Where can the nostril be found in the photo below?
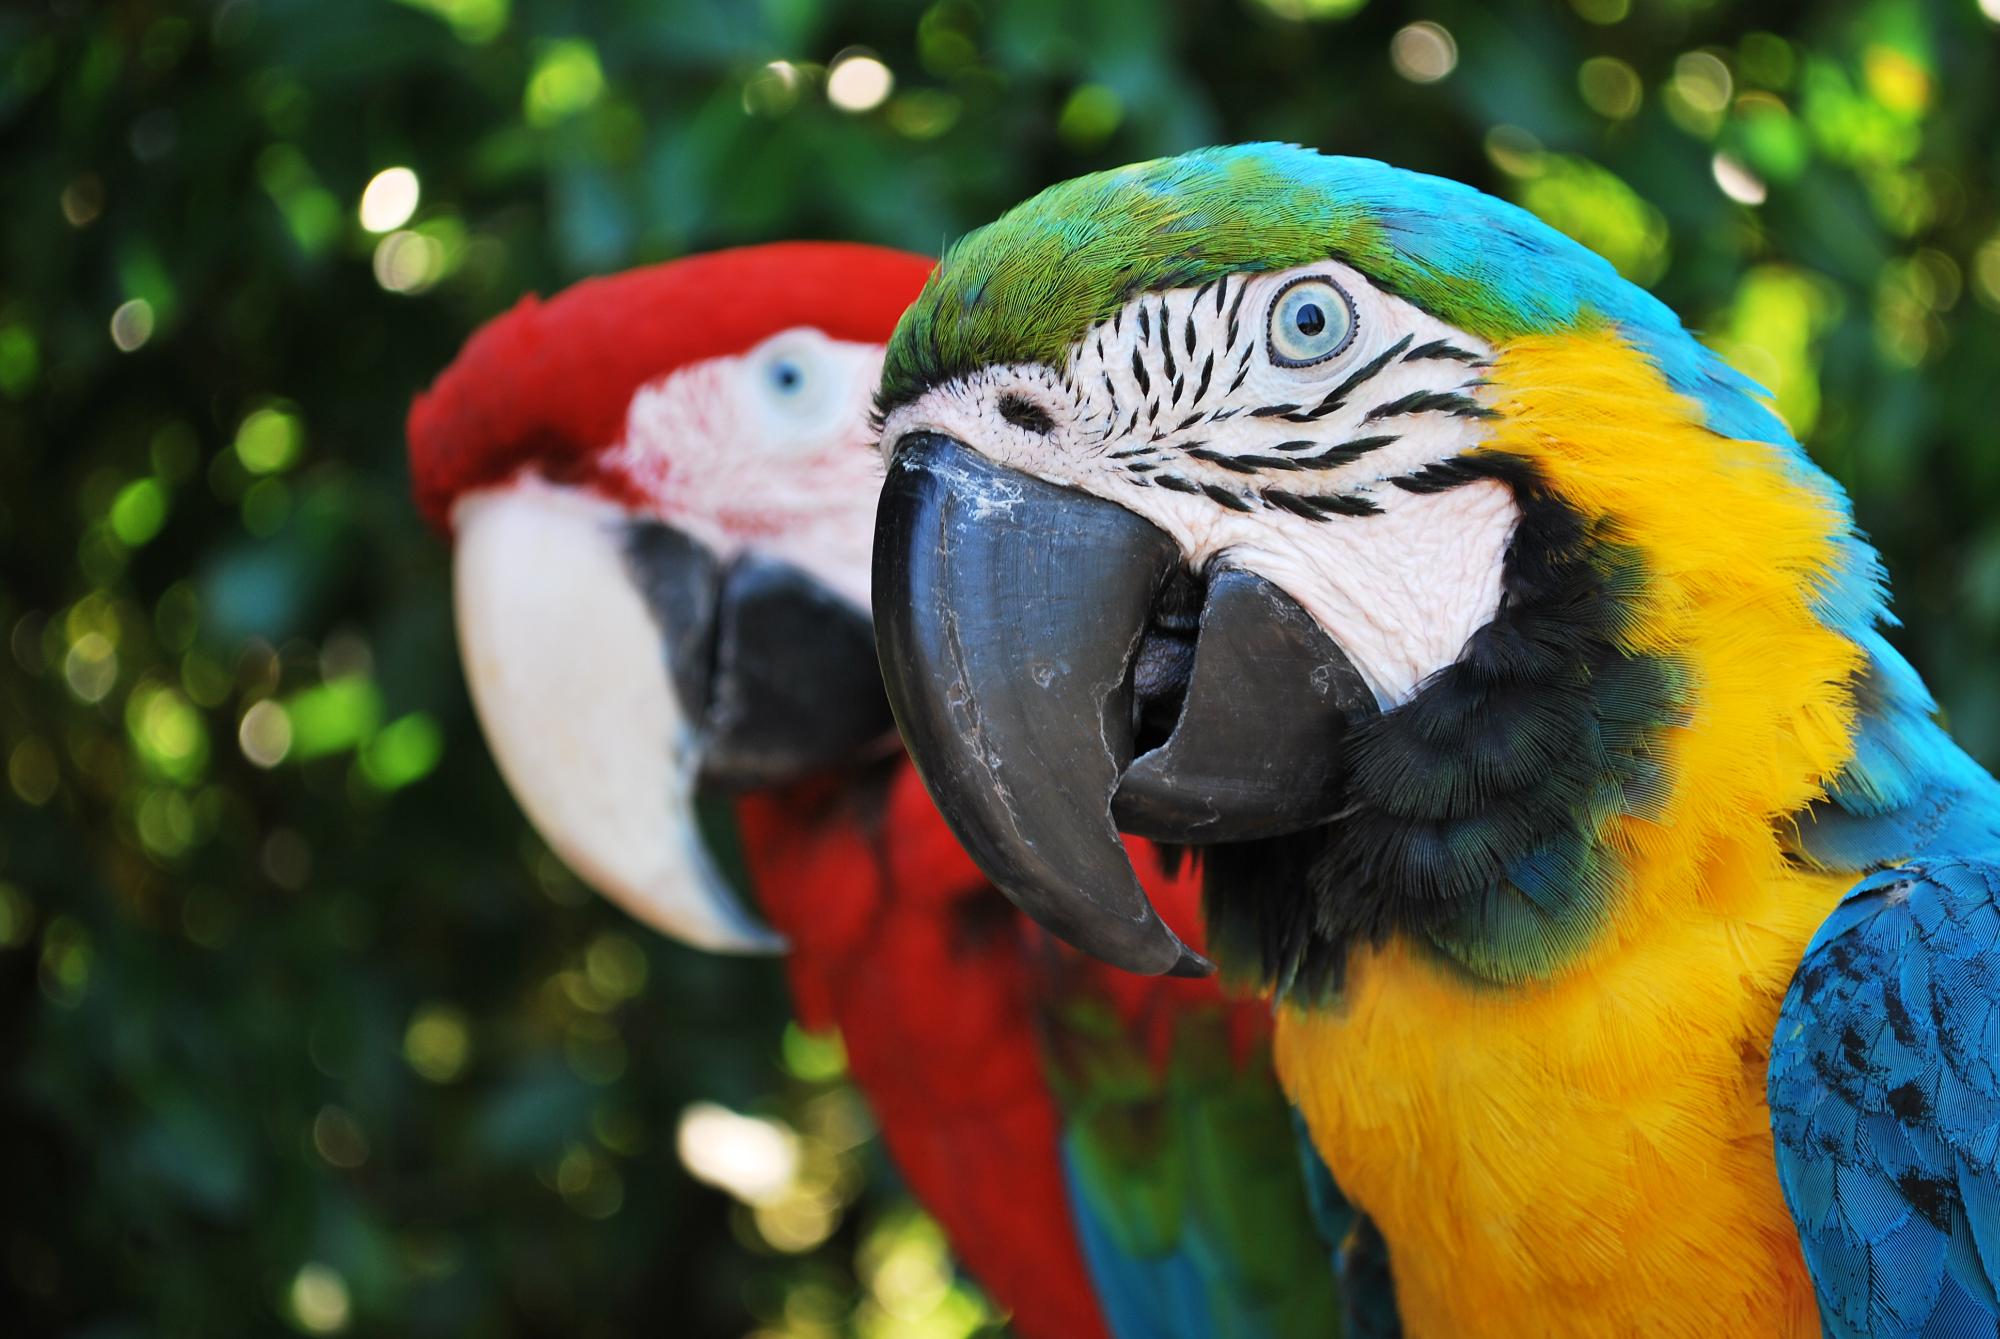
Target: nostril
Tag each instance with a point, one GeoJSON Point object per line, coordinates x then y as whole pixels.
{"type": "Point", "coordinates": [1022, 412]}
{"type": "Point", "coordinates": [1165, 662]}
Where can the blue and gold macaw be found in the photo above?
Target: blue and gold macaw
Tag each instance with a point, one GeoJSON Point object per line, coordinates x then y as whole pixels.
{"type": "Point", "coordinates": [1630, 922]}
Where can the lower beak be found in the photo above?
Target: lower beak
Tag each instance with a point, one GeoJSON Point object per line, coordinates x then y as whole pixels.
{"type": "Point", "coordinates": [617, 667]}
{"type": "Point", "coordinates": [1022, 648]}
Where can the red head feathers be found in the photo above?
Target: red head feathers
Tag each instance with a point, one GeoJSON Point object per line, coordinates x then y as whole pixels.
{"type": "Point", "coordinates": [549, 382]}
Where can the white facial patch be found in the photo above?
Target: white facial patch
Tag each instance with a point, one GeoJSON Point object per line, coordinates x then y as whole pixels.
{"type": "Point", "coordinates": [766, 451]}
{"type": "Point", "coordinates": [1332, 479]}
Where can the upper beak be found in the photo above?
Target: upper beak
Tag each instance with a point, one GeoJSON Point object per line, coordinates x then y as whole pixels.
{"type": "Point", "coordinates": [1024, 648]}
{"type": "Point", "coordinates": [616, 666]}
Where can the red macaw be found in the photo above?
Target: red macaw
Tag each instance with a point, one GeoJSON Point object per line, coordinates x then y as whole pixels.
{"type": "Point", "coordinates": [661, 490]}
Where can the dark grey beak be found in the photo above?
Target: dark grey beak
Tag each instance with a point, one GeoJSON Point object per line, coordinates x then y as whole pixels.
{"type": "Point", "coordinates": [775, 670]}
{"type": "Point", "coordinates": [1021, 646]}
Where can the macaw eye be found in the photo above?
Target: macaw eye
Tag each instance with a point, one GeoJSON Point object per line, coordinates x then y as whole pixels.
{"type": "Point", "coordinates": [787, 378]}
{"type": "Point", "coordinates": [1312, 319]}
{"type": "Point", "coordinates": [802, 386]}
{"type": "Point", "coordinates": [792, 377]}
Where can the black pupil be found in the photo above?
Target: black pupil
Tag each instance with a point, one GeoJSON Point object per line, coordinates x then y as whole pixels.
{"type": "Point", "coordinates": [1310, 319]}
{"type": "Point", "coordinates": [788, 376]}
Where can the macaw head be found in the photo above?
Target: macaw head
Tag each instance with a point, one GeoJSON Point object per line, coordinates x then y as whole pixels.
{"type": "Point", "coordinates": [659, 488]}
{"type": "Point", "coordinates": [1359, 527]}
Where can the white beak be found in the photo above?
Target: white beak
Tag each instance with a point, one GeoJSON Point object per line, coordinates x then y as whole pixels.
{"type": "Point", "coordinates": [569, 673]}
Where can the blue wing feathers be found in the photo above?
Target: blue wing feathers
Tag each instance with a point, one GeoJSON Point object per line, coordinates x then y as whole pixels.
{"type": "Point", "coordinates": [1886, 1106]}
{"type": "Point", "coordinates": [1150, 1297]}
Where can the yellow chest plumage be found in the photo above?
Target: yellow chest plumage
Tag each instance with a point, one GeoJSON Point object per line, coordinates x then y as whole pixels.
{"type": "Point", "coordinates": [1589, 1155]}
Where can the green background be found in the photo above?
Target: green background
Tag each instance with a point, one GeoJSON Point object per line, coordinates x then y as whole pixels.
{"type": "Point", "coordinates": [325, 1041]}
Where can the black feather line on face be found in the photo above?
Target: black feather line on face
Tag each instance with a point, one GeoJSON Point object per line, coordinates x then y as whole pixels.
{"type": "Point", "coordinates": [1207, 368]}
{"type": "Point", "coordinates": [1226, 461]}
{"type": "Point", "coordinates": [1332, 458]}
{"type": "Point", "coordinates": [1320, 507]}
{"type": "Point", "coordinates": [1139, 373]}
{"type": "Point", "coordinates": [1475, 810]}
{"type": "Point", "coordinates": [1167, 346]}
{"type": "Point", "coordinates": [1228, 499]}
{"type": "Point", "coordinates": [1145, 325]}
{"type": "Point", "coordinates": [1176, 483]}
{"type": "Point", "coordinates": [1440, 348]}
{"type": "Point", "coordinates": [1427, 402]}
{"type": "Point", "coordinates": [1235, 308]}
{"type": "Point", "coordinates": [1361, 376]}
{"type": "Point", "coordinates": [1440, 475]}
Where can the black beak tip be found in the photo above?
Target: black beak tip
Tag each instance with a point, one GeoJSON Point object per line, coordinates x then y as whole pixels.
{"type": "Point", "coordinates": [1192, 965]}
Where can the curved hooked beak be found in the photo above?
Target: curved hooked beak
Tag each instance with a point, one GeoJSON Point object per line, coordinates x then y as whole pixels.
{"type": "Point", "coordinates": [1028, 637]}
{"type": "Point", "coordinates": [618, 667]}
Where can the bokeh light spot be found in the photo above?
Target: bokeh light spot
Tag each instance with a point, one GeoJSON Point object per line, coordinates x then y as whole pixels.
{"type": "Point", "coordinates": [403, 752]}
{"type": "Point", "coordinates": [408, 262]}
{"type": "Point", "coordinates": [67, 957]}
{"type": "Point", "coordinates": [616, 965]}
{"type": "Point", "coordinates": [319, 1301]}
{"type": "Point", "coordinates": [1896, 79]}
{"type": "Point", "coordinates": [1610, 87]}
{"type": "Point", "coordinates": [566, 79]}
{"type": "Point", "coordinates": [138, 512]}
{"type": "Point", "coordinates": [815, 1057]}
{"type": "Point", "coordinates": [1308, 11]}
{"type": "Point", "coordinates": [167, 732]}
{"type": "Point", "coordinates": [772, 90]}
{"type": "Point", "coordinates": [1602, 12]}
{"type": "Point", "coordinates": [858, 82]}
{"type": "Point", "coordinates": [473, 21]}
{"type": "Point", "coordinates": [1423, 52]}
{"type": "Point", "coordinates": [1090, 116]}
{"type": "Point", "coordinates": [265, 734]}
{"type": "Point", "coordinates": [132, 325]}
{"type": "Point", "coordinates": [338, 1137]}
{"type": "Point", "coordinates": [91, 667]}
{"type": "Point", "coordinates": [1737, 181]}
{"type": "Point", "coordinates": [82, 200]}
{"type": "Point", "coordinates": [333, 716]}
{"type": "Point", "coordinates": [1703, 80]}
{"type": "Point", "coordinates": [269, 439]}
{"type": "Point", "coordinates": [20, 360]}
{"type": "Point", "coordinates": [751, 1157]}
{"type": "Point", "coordinates": [389, 199]}
{"type": "Point", "coordinates": [437, 1044]}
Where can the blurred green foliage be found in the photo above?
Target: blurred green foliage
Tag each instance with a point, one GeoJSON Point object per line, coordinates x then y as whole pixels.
{"type": "Point", "coordinates": [302, 1030]}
